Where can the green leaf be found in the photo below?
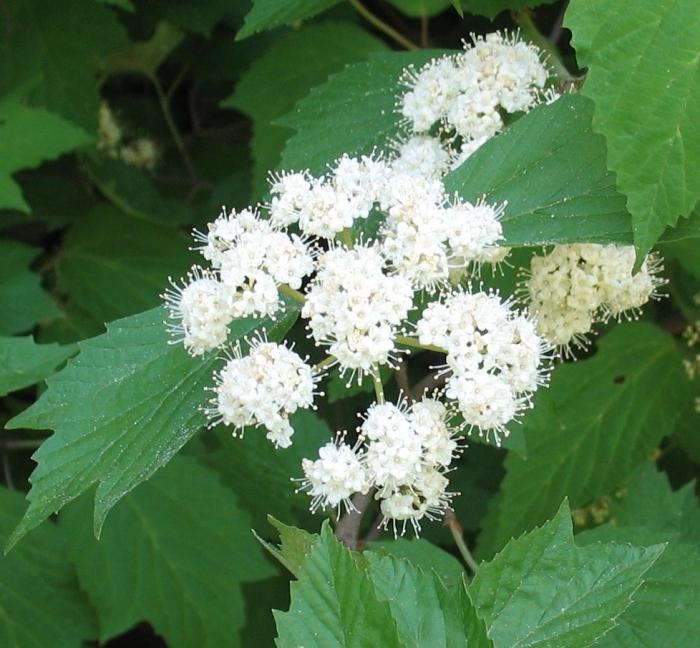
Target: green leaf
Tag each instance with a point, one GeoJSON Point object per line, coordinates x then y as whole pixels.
{"type": "Point", "coordinates": [113, 265]}
{"type": "Point", "coordinates": [491, 8]}
{"type": "Point", "coordinates": [24, 363]}
{"type": "Point", "coordinates": [120, 410]}
{"type": "Point", "coordinates": [193, 15]}
{"type": "Point", "coordinates": [49, 53]}
{"type": "Point", "coordinates": [41, 603]}
{"type": "Point", "coordinates": [542, 590]}
{"type": "Point", "coordinates": [664, 611]}
{"type": "Point", "coordinates": [423, 554]}
{"type": "Point", "coordinates": [426, 8]}
{"type": "Point", "coordinates": [334, 604]}
{"type": "Point", "coordinates": [23, 303]}
{"type": "Point", "coordinates": [426, 613]}
{"type": "Point", "coordinates": [261, 474]}
{"type": "Point", "coordinates": [295, 545]}
{"type": "Point", "coordinates": [357, 105]}
{"type": "Point", "coordinates": [28, 136]}
{"type": "Point", "coordinates": [145, 57]}
{"type": "Point", "coordinates": [644, 76]}
{"type": "Point", "coordinates": [266, 14]}
{"type": "Point", "coordinates": [187, 585]}
{"type": "Point", "coordinates": [599, 419]}
{"type": "Point", "coordinates": [553, 196]}
{"type": "Point", "coordinates": [283, 74]}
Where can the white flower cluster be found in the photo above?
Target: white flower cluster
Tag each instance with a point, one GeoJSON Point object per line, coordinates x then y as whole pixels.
{"type": "Point", "coordinates": [466, 94]}
{"type": "Point", "coordinates": [575, 286]}
{"type": "Point", "coordinates": [402, 453]}
{"type": "Point", "coordinates": [139, 152]}
{"type": "Point", "coordinates": [494, 357]}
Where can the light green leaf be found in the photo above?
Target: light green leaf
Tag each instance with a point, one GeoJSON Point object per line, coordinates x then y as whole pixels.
{"type": "Point", "coordinates": [644, 76]}
{"type": "Point", "coordinates": [423, 554]}
{"type": "Point", "coordinates": [41, 603]}
{"type": "Point", "coordinates": [295, 545]}
{"type": "Point", "coordinates": [426, 613]}
{"type": "Point", "coordinates": [120, 410]}
{"type": "Point", "coordinates": [145, 57]}
{"type": "Point", "coordinates": [553, 196]}
{"type": "Point", "coordinates": [260, 474]}
{"type": "Point", "coordinates": [542, 590]}
{"type": "Point", "coordinates": [334, 604]}
{"type": "Point", "coordinates": [357, 105]}
{"type": "Point", "coordinates": [187, 585]}
{"type": "Point", "coordinates": [664, 611]}
{"type": "Point", "coordinates": [23, 303]}
{"type": "Point", "coordinates": [491, 8]}
{"type": "Point", "coordinates": [285, 73]}
{"type": "Point", "coordinates": [28, 136]}
{"type": "Point", "coordinates": [24, 363]}
{"type": "Point", "coordinates": [49, 53]}
{"type": "Point", "coordinates": [113, 265]}
{"type": "Point", "coordinates": [266, 14]}
{"type": "Point", "coordinates": [599, 419]}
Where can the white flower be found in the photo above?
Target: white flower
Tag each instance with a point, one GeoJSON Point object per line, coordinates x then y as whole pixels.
{"type": "Point", "coordinates": [473, 230]}
{"type": "Point", "coordinates": [429, 417]}
{"type": "Point", "coordinates": [333, 478]}
{"type": "Point", "coordinates": [199, 311]}
{"type": "Point", "coordinates": [290, 192]}
{"type": "Point", "coordinates": [262, 389]}
{"type": "Point", "coordinates": [421, 156]}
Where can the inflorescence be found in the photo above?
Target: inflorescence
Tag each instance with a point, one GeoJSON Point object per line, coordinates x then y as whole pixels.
{"type": "Point", "coordinates": [359, 291]}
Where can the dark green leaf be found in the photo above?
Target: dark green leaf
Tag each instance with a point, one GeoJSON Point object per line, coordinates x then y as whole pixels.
{"type": "Point", "coordinates": [267, 14]}
{"type": "Point", "coordinates": [491, 8]}
{"type": "Point", "coordinates": [24, 363]}
{"type": "Point", "coordinates": [295, 545]}
{"type": "Point", "coordinates": [145, 57]}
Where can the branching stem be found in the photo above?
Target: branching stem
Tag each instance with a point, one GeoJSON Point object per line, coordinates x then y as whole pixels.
{"type": "Point", "coordinates": [458, 535]}
{"type": "Point", "coordinates": [398, 38]}
{"type": "Point", "coordinates": [415, 344]}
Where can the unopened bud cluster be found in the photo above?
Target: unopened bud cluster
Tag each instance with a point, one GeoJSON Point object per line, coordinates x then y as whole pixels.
{"type": "Point", "coordinates": [138, 152]}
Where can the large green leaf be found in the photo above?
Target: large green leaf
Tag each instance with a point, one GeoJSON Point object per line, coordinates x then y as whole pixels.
{"type": "Point", "coordinates": [24, 363]}
{"type": "Point", "coordinates": [664, 611]}
{"type": "Point", "coordinates": [357, 105]}
{"type": "Point", "coordinates": [260, 474]}
{"type": "Point", "coordinates": [334, 603]}
{"type": "Point", "coordinates": [113, 264]}
{"type": "Point", "coordinates": [426, 613]}
{"type": "Point", "coordinates": [550, 168]}
{"type": "Point", "coordinates": [285, 73]}
{"type": "Point", "coordinates": [41, 603]}
{"type": "Point", "coordinates": [266, 14]}
{"type": "Point", "coordinates": [598, 420]}
{"type": "Point", "coordinates": [49, 53]}
{"type": "Point", "coordinates": [120, 410]}
{"type": "Point", "coordinates": [23, 303]}
{"type": "Point", "coordinates": [491, 8]}
{"type": "Point", "coordinates": [644, 75]}
{"type": "Point", "coordinates": [28, 136]}
{"type": "Point", "coordinates": [174, 553]}
{"type": "Point", "coordinates": [542, 590]}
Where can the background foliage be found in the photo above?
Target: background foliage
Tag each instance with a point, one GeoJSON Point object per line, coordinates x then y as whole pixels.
{"type": "Point", "coordinates": [588, 518]}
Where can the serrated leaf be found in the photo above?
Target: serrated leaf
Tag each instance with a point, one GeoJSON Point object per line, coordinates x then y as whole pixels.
{"type": "Point", "coordinates": [552, 195]}
{"type": "Point", "coordinates": [145, 57]}
{"type": "Point", "coordinates": [120, 410]}
{"type": "Point", "coordinates": [23, 303]}
{"type": "Point", "coordinates": [542, 590]}
{"type": "Point", "coordinates": [334, 604]}
{"type": "Point", "coordinates": [491, 8]}
{"type": "Point", "coordinates": [285, 73]}
{"type": "Point", "coordinates": [423, 554]}
{"type": "Point", "coordinates": [24, 363]}
{"type": "Point", "coordinates": [113, 265]}
{"type": "Point", "coordinates": [295, 545]}
{"type": "Point", "coordinates": [425, 8]}
{"type": "Point", "coordinates": [664, 611]}
{"type": "Point", "coordinates": [357, 105]}
{"type": "Point", "coordinates": [144, 568]}
{"type": "Point", "coordinates": [262, 474]}
{"type": "Point", "coordinates": [267, 14]}
{"type": "Point", "coordinates": [41, 603]}
{"type": "Point", "coordinates": [644, 76]}
{"type": "Point", "coordinates": [426, 612]}
{"type": "Point", "coordinates": [596, 423]}
{"type": "Point", "coordinates": [49, 54]}
{"type": "Point", "coordinates": [28, 136]}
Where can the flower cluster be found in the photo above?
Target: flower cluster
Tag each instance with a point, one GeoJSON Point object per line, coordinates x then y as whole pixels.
{"type": "Point", "coordinates": [402, 454]}
{"type": "Point", "coordinates": [139, 152]}
{"type": "Point", "coordinates": [494, 357]}
{"type": "Point", "coordinates": [575, 286]}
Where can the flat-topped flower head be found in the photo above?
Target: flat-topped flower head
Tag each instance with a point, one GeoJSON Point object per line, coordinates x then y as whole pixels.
{"type": "Point", "coordinates": [262, 389]}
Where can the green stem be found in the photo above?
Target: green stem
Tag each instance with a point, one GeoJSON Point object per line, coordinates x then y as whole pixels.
{"type": "Point", "coordinates": [170, 122]}
{"type": "Point", "coordinates": [415, 344]}
{"type": "Point", "coordinates": [378, 387]}
{"type": "Point", "coordinates": [291, 293]}
{"type": "Point", "coordinates": [398, 38]}
{"type": "Point", "coordinates": [531, 33]}
{"type": "Point", "coordinates": [346, 238]}
{"type": "Point", "coordinates": [457, 534]}
{"type": "Point", "coordinates": [328, 360]}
